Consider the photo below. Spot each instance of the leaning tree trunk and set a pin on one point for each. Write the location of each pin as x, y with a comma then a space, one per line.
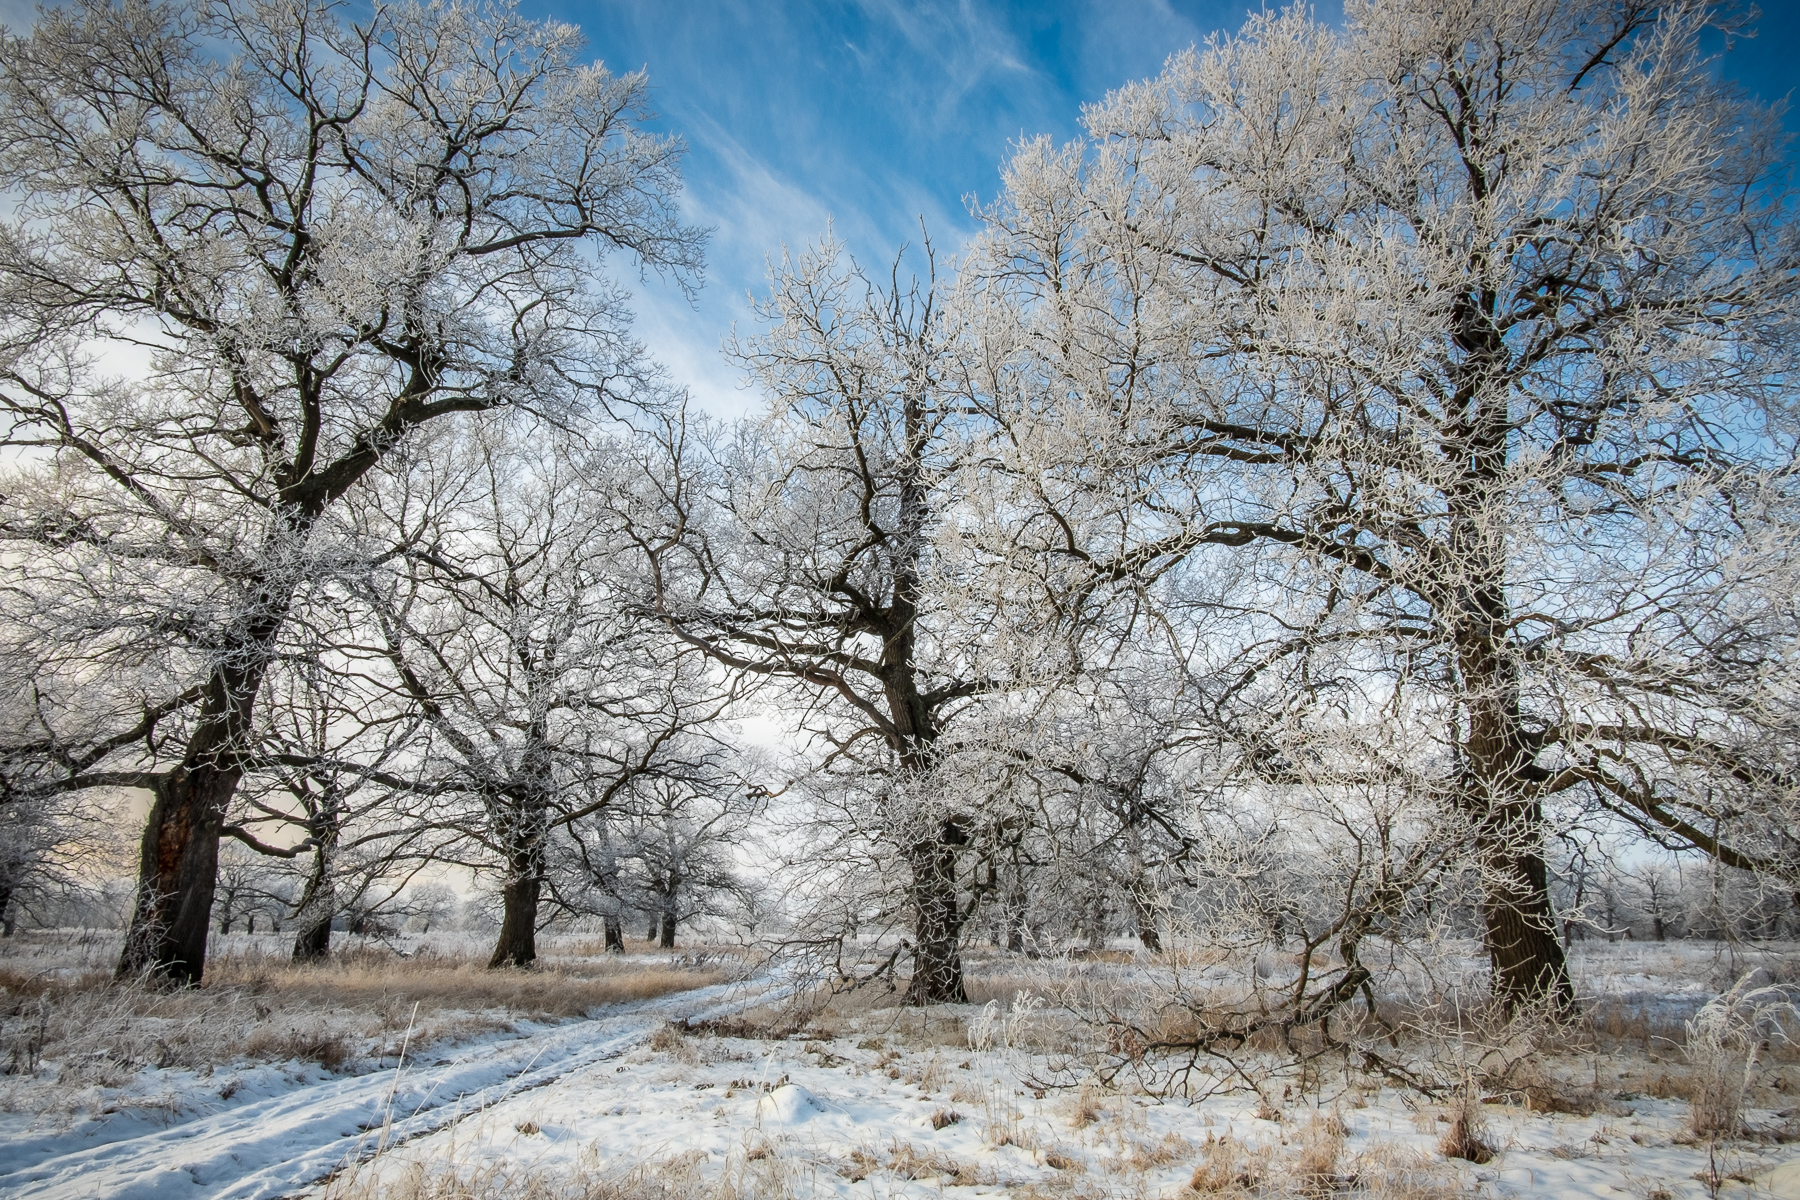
178, 858
318, 898
937, 920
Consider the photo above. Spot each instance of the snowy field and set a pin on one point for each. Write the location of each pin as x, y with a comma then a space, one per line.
724, 1088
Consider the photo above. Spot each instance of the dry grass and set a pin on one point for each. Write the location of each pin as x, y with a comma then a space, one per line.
677, 1178
65, 1033
1231, 1168
1315, 1168
1467, 1136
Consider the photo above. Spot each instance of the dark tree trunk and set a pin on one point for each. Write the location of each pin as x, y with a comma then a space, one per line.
1529, 964
6, 912
318, 897
517, 946
937, 965
178, 857
313, 942
178, 866
615, 935
528, 812
667, 939
1014, 906
655, 928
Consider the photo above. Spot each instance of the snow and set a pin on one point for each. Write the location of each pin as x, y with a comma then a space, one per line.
280, 1133
895, 1104
789, 1104
831, 1108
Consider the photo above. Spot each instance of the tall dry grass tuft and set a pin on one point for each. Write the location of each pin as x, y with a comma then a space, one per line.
1315, 1167
1466, 1138
1723, 1041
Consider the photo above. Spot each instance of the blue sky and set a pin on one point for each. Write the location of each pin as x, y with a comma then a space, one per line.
874, 113
869, 114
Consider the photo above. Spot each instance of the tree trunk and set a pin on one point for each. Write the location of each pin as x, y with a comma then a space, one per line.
667, 940
615, 935
528, 812
318, 897
6, 912
937, 965
1145, 914
1529, 964
1014, 906
313, 942
517, 946
178, 866
178, 857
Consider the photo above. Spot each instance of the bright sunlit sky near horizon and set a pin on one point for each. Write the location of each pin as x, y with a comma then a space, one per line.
873, 114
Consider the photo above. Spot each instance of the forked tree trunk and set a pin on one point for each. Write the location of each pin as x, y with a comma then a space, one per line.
937, 964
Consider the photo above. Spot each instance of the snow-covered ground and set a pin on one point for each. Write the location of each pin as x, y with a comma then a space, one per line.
285, 1125
854, 1116
883, 1102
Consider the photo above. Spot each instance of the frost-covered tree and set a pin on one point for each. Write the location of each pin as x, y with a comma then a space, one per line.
1468, 329
823, 547
546, 694
255, 244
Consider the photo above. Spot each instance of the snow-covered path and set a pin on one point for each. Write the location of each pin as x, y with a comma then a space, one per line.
275, 1146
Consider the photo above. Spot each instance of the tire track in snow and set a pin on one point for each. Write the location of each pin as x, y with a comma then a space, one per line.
275, 1147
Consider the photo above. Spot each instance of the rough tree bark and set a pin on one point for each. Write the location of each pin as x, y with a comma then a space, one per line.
318, 896
517, 943
1529, 964
937, 919
178, 858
